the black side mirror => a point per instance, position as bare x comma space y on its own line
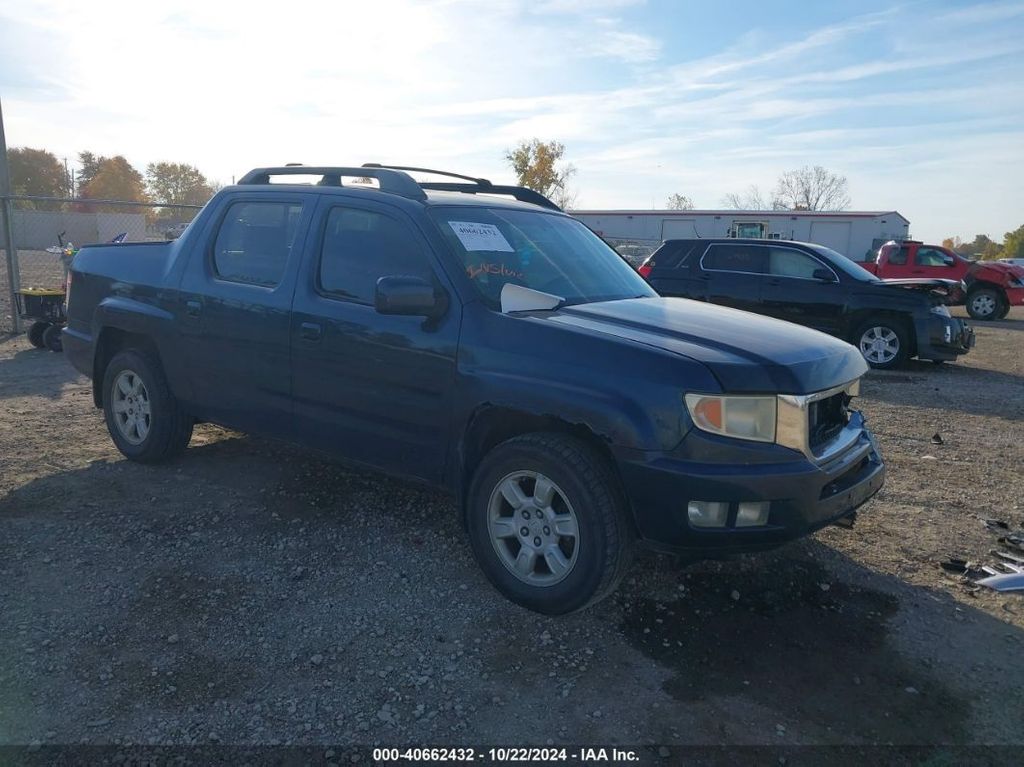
411, 296
824, 275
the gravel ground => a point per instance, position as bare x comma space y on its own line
253, 593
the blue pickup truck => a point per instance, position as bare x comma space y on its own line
474, 337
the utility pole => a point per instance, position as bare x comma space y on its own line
7, 227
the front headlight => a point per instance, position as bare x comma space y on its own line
940, 310
750, 418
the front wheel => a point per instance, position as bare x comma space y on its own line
984, 304
144, 419
548, 524
883, 343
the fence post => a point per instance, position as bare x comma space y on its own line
7, 216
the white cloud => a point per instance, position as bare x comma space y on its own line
230, 85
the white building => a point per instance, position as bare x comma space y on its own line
855, 234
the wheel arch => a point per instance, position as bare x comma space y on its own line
491, 425
109, 342
984, 284
863, 316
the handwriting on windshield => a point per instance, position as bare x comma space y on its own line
498, 270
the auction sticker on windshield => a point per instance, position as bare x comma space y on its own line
474, 236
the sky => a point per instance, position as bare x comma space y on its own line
919, 104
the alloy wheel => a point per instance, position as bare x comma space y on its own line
533, 528
130, 403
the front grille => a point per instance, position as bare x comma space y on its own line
826, 418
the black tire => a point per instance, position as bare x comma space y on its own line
883, 328
52, 339
985, 304
605, 535
168, 429
35, 333
1003, 311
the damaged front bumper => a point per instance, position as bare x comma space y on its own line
802, 493
943, 338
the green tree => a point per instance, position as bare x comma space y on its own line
90, 164
36, 173
114, 179
982, 246
1013, 243
536, 165
679, 202
177, 184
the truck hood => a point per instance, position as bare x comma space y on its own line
745, 352
995, 267
934, 286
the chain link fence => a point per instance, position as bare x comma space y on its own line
47, 229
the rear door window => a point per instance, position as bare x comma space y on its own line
254, 242
726, 257
784, 262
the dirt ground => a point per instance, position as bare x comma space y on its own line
253, 593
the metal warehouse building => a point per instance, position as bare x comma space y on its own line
856, 235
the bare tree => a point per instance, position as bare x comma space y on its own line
679, 202
814, 188
752, 199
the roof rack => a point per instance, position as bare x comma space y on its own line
395, 180
474, 185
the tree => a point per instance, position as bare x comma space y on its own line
812, 189
752, 199
804, 189
177, 184
679, 202
981, 246
36, 173
953, 243
1013, 243
114, 179
90, 164
535, 164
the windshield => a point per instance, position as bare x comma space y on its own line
553, 254
841, 262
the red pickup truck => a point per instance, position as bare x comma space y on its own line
992, 287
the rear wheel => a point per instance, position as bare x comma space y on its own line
52, 339
35, 333
985, 304
144, 419
883, 342
547, 523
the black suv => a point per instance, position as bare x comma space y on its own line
888, 320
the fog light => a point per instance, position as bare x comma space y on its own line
707, 513
752, 513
